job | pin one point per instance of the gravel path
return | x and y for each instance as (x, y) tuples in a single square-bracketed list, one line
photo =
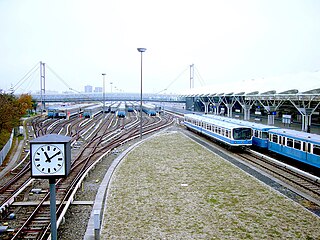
[(172, 188)]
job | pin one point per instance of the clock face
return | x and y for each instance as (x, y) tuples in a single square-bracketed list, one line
[(48, 159)]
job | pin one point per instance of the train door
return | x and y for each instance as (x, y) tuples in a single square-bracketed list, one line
[(281, 141), (306, 149)]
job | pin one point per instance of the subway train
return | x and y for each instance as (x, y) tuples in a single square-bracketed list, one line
[(121, 113), (129, 106), (52, 112), (91, 111), (231, 134), (297, 145), (114, 107), (64, 111), (149, 109)]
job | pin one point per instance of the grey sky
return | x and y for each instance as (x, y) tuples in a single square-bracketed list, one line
[(228, 41)]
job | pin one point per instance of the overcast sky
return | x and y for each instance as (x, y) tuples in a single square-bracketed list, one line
[(228, 41)]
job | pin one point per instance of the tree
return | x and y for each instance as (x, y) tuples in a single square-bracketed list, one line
[(25, 103), (8, 112), (11, 110)]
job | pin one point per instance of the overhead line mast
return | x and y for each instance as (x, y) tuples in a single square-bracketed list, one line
[(42, 86)]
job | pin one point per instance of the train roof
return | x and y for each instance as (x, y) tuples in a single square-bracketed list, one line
[(304, 136), (67, 107), (53, 107), (93, 107), (259, 126), (214, 121)]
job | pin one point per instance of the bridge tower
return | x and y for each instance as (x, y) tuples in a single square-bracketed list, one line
[(191, 76), (42, 86)]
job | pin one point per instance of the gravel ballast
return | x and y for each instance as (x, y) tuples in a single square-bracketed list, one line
[(172, 188)]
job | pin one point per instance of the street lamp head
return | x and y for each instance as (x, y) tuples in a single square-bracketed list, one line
[(103, 74), (141, 49)]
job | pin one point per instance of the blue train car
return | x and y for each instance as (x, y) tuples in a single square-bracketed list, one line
[(301, 146), (114, 107), (91, 111), (69, 111), (121, 113), (260, 134), (129, 107), (149, 109), (231, 134), (52, 112)]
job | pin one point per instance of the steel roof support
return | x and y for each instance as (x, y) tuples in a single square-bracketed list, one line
[(246, 105), (306, 110)]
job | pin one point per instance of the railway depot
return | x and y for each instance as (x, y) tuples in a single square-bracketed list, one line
[(181, 189), (172, 188)]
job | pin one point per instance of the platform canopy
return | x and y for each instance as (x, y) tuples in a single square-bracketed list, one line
[(302, 83)]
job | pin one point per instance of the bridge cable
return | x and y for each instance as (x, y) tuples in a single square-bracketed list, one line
[(25, 77), (173, 81), (202, 82), (67, 85)]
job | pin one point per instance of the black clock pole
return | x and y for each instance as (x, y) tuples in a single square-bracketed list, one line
[(53, 217)]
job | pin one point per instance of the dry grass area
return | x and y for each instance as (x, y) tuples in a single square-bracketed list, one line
[(172, 188)]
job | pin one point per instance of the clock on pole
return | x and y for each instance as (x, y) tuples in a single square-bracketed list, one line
[(50, 156)]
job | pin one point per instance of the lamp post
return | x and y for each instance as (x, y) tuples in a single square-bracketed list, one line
[(141, 50), (104, 92)]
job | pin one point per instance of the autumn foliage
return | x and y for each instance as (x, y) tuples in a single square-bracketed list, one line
[(11, 110)]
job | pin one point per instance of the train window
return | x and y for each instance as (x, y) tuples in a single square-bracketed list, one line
[(264, 135), (297, 144), (225, 132), (242, 133), (275, 138), (256, 133), (316, 149), (289, 142)]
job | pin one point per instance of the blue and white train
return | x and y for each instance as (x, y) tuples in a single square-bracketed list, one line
[(231, 134), (52, 111), (121, 113), (114, 107), (129, 106), (149, 109), (107, 107), (92, 111), (300, 146), (260, 134)]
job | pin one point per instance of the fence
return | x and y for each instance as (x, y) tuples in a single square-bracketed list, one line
[(6, 149)]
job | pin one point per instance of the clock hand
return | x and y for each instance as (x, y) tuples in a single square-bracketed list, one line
[(48, 159), (54, 155)]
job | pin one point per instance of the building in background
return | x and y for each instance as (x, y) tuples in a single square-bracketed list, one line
[(98, 89), (88, 89)]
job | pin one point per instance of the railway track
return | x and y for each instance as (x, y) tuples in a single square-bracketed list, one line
[(25, 209), (302, 184), (301, 180)]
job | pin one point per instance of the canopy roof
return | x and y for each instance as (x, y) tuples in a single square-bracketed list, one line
[(301, 83)]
